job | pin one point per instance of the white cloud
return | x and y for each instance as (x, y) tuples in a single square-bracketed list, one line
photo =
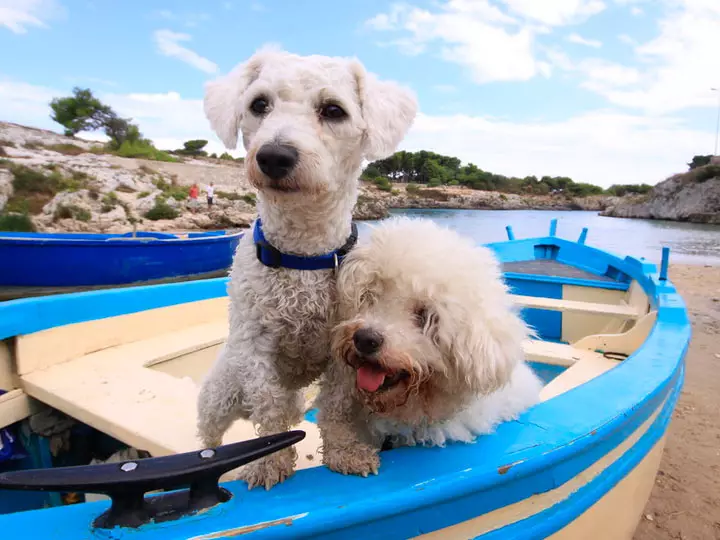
[(189, 19), (597, 74), (168, 43), (577, 38), (25, 103), (627, 40), (678, 66), (18, 15), (636, 11), (604, 77), (472, 33), (556, 12), (602, 147)]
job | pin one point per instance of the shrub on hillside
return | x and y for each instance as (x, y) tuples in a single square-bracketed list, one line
[(412, 189), (16, 223), (382, 183), (161, 210), (620, 190), (702, 174), (27, 180), (143, 149), (66, 149), (71, 211), (699, 161)]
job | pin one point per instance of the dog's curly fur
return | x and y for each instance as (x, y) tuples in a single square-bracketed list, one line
[(279, 318), (449, 347)]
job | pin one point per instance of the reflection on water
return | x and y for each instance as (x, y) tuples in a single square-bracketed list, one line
[(689, 243)]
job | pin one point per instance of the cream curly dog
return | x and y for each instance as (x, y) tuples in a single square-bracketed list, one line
[(428, 348), (307, 124)]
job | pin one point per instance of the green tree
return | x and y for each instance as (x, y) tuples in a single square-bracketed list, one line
[(699, 161), (84, 112), (80, 112), (193, 148)]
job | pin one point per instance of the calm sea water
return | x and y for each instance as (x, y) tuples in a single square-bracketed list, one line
[(689, 243)]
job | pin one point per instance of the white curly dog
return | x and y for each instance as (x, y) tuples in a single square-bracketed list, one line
[(428, 348), (307, 124)]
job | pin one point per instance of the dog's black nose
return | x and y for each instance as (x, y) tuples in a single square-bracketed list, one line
[(367, 340), (276, 160)]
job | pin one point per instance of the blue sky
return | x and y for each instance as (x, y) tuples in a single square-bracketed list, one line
[(605, 91)]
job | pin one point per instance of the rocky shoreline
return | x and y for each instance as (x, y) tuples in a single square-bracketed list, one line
[(375, 204), (693, 197), (80, 188)]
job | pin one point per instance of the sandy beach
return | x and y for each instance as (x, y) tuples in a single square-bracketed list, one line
[(685, 502)]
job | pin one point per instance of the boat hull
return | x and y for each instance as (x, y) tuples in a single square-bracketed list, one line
[(65, 261), (580, 464)]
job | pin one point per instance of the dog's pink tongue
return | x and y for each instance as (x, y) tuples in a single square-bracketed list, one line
[(370, 377)]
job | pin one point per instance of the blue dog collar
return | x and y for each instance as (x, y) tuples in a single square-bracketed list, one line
[(270, 256)]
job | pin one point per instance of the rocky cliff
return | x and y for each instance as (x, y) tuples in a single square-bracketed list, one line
[(693, 196)]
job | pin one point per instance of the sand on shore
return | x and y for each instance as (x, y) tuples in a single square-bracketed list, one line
[(685, 502)]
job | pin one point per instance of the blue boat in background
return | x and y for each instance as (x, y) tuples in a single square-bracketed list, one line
[(34, 264)]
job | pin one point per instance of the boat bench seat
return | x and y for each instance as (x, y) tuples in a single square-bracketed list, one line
[(574, 306), (16, 405), (559, 354), (117, 391)]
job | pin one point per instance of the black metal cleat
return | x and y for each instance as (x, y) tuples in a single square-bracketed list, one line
[(126, 483)]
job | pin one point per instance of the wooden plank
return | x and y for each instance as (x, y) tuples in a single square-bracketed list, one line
[(625, 343), (554, 304), (116, 391), (558, 354), (16, 405), (581, 372), (41, 350)]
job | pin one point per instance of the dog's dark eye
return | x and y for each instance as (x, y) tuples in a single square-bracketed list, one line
[(259, 106), (332, 111), (420, 316)]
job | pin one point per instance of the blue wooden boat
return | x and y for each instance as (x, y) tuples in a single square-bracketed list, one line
[(123, 363), (44, 263)]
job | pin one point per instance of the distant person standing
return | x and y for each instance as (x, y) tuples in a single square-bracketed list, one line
[(193, 194), (210, 194)]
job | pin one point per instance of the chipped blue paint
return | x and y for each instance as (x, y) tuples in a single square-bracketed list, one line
[(420, 490)]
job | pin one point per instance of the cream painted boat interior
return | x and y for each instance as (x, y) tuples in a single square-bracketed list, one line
[(135, 377)]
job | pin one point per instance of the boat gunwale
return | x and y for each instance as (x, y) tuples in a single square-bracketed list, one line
[(656, 369), (114, 241)]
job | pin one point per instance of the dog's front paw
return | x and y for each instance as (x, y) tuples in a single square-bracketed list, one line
[(269, 470), (360, 459)]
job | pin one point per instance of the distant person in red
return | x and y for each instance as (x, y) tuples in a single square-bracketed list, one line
[(194, 192)]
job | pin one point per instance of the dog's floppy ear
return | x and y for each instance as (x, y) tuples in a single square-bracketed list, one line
[(484, 352), (223, 100), (388, 110)]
